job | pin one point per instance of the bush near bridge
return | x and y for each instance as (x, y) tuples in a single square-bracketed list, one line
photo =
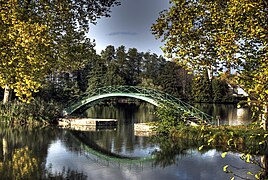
[(174, 125), (37, 112)]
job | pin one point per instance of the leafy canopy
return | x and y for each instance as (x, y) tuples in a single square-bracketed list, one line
[(205, 34), (40, 37)]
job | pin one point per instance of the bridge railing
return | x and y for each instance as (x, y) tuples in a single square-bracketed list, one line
[(157, 95), (183, 106)]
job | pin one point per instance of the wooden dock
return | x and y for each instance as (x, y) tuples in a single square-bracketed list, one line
[(87, 122), (89, 128), (143, 129)]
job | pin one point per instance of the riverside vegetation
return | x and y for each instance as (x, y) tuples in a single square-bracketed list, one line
[(250, 140), (38, 112)]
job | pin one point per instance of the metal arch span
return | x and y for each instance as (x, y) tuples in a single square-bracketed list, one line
[(105, 96), (152, 96)]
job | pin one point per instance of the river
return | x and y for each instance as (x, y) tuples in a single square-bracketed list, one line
[(115, 153)]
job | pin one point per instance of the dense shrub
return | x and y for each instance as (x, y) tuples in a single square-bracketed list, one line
[(169, 119), (38, 111)]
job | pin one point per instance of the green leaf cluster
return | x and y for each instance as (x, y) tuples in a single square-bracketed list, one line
[(40, 37), (205, 90), (219, 36)]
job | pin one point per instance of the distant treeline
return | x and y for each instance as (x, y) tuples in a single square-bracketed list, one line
[(121, 66)]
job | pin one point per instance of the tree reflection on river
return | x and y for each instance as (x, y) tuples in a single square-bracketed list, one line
[(228, 114), (117, 153)]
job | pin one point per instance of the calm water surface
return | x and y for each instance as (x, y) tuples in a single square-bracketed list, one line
[(113, 153)]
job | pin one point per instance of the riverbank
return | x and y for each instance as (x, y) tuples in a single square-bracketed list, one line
[(244, 138)]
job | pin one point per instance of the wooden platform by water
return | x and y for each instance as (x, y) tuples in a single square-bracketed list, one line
[(143, 129), (87, 122), (93, 124)]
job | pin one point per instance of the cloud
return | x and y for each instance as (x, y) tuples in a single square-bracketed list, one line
[(122, 33)]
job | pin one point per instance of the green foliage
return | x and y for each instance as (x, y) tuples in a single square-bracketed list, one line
[(188, 137), (202, 89), (218, 35), (175, 80), (169, 119), (112, 75), (250, 141), (219, 90), (38, 111), (116, 66), (134, 59), (40, 37), (215, 90), (95, 74)]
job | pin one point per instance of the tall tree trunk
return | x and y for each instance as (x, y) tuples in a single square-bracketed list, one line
[(6, 94), (265, 117), (264, 164), (210, 73), (5, 148)]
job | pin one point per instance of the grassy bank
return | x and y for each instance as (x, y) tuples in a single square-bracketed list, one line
[(249, 139), (242, 138)]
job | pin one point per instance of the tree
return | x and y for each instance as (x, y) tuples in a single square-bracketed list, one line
[(134, 59), (113, 76), (202, 89), (170, 80), (185, 29), (151, 66), (121, 57), (24, 51), (35, 36), (220, 90), (203, 34), (108, 55), (113, 71), (96, 75)]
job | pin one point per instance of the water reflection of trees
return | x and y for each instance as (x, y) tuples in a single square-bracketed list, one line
[(123, 112), (24, 150), (65, 174), (127, 115), (228, 113), (23, 153), (170, 150), (115, 142)]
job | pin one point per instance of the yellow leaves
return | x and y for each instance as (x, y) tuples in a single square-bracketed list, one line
[(229, 141), (23, 163), (246, 158), (225, 168), (210, 140), (201, 147), (257, 176), (23, 62), (223, 154)]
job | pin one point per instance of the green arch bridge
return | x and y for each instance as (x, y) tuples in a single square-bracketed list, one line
[(155, 97)]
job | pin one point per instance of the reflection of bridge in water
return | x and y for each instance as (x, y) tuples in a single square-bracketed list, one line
[(152, 96), (104, 156)]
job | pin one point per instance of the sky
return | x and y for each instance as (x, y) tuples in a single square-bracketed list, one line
[(129, 25)]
